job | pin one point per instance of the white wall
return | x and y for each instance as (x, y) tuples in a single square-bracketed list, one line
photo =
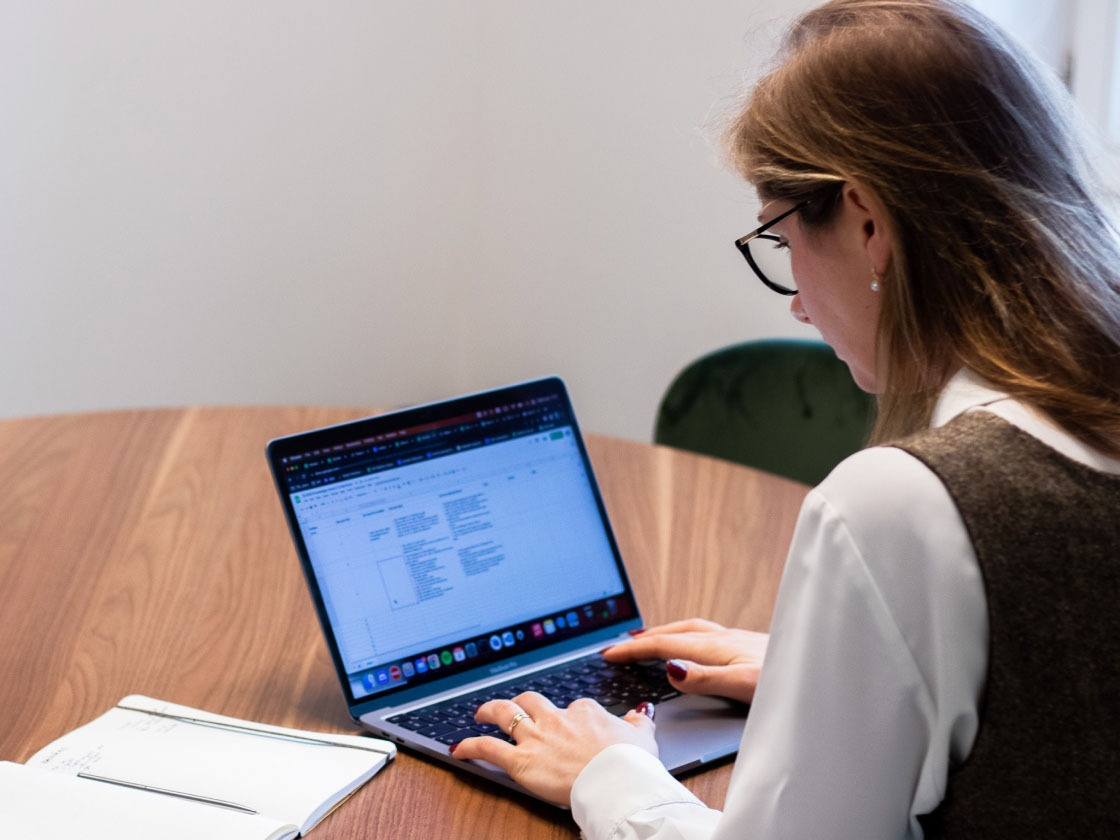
[(369, 203), (1080, 41)]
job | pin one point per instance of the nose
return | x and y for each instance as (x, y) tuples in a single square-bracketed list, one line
[(797, 310)]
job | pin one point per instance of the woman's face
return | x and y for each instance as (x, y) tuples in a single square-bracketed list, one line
[(833, 267)]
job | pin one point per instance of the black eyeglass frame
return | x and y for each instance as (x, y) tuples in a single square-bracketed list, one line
[(760, 233)]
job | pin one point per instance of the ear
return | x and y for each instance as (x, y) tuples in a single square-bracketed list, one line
[(874, 230)]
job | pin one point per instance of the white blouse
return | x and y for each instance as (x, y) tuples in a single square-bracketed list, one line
[(874, 672)]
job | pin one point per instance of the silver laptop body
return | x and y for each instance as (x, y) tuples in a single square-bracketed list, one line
[(453, 548)]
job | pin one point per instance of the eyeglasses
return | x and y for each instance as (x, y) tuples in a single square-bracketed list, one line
[(768, 255)]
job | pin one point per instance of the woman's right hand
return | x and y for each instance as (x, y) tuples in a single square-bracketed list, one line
[(702, 657)]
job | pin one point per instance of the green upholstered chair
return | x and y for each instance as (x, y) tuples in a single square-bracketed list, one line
[(786, 406)]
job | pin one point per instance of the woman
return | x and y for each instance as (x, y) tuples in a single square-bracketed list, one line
[(942, 654)]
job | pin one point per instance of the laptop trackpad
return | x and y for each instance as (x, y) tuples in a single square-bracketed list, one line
[(694, 730)]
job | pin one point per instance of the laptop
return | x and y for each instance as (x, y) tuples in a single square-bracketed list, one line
[(460, 551)]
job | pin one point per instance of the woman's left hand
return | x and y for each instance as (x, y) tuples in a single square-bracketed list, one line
[(553, 745)]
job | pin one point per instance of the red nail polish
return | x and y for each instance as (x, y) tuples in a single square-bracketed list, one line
[(637, 632), (452, 748), (676, 670), (645, 708)]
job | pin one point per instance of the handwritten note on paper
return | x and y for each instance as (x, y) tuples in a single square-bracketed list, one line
[(290, 775), (40, 805)]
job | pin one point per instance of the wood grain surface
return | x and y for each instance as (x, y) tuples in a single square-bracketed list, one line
[(146, 552)]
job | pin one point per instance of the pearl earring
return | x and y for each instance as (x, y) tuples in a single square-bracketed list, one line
[(874, 280)]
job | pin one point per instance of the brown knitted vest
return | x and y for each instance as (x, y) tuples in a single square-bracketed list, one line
[(1046, 530)]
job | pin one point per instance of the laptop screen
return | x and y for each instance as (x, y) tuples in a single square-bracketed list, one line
[(448, 537)]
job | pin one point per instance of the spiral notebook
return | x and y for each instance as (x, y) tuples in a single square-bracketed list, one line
[(147, 768)]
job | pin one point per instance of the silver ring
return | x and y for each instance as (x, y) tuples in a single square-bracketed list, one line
[(517, 718)]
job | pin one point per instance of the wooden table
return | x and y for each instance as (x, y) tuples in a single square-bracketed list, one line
[(145, 552)]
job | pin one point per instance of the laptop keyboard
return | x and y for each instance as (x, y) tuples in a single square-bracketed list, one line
[(618, 687)]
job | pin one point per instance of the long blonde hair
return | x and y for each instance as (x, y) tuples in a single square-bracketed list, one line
[(1004, 262)]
